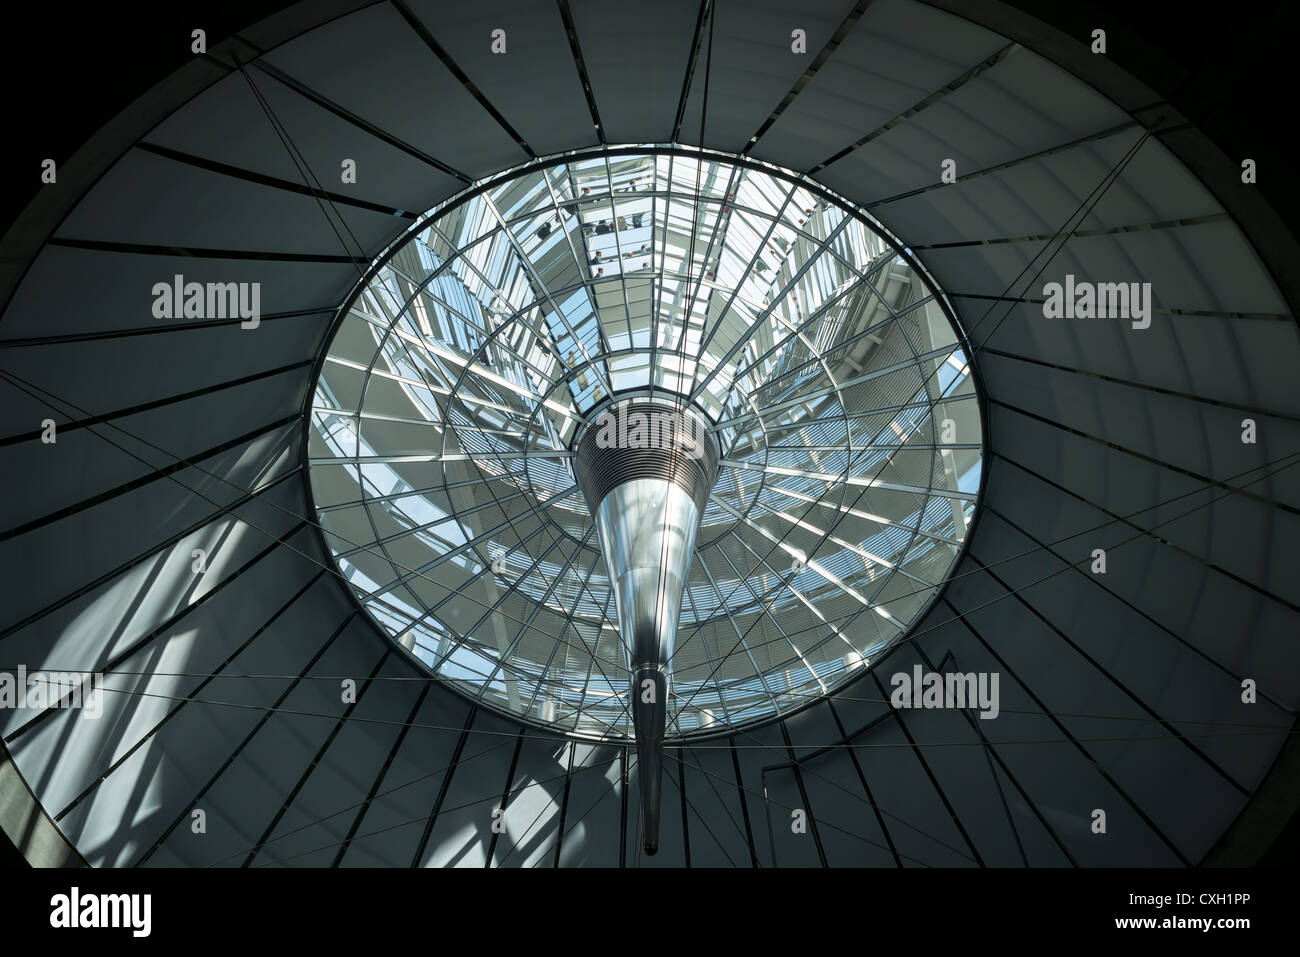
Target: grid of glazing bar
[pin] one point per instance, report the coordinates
(479, 348)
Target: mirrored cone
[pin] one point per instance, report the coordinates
(647, 505)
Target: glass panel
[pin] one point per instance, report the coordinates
(474, 358)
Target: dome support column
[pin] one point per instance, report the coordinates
(646, 472)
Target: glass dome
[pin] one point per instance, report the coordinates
(482, 344)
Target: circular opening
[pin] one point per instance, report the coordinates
(477, 351)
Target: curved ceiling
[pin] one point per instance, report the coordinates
(225, 674)
(499, 329)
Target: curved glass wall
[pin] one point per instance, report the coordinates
(480, 347)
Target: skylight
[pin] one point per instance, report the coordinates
(484, 342)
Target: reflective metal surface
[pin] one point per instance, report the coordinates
(647, 532)
(646, 499)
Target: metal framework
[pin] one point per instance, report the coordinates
(496, 472)
(481, 347)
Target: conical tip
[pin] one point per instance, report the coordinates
(648, 715)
